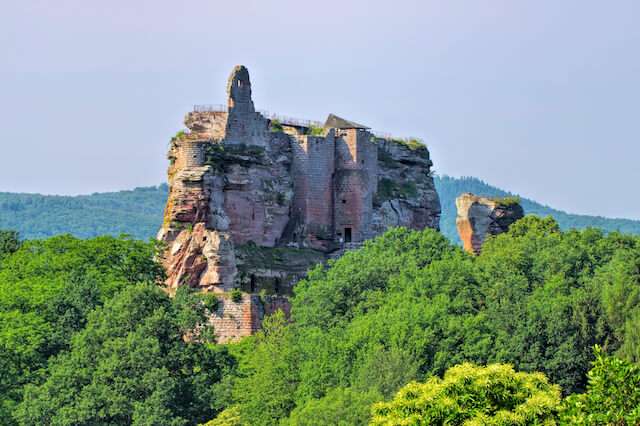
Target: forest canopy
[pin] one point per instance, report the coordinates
(87, 337)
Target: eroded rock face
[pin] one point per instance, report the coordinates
(479, 217)
(406, 195)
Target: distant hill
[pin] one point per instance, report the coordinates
(139, 212)
(449, 188)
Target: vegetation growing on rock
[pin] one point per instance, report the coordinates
(389, 189)
(506, 201)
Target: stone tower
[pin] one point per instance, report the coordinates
(239, 91)
(244, 125)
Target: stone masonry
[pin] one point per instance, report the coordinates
(253, 202)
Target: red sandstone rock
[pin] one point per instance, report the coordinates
(479, 217)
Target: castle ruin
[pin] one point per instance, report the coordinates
(255, 200)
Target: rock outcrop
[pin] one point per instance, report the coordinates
(254, 202)
(479, 217)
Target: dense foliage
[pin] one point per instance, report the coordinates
(130, 365)
(410, 305)
(450, 187)
(86, 338)
(9, 242)
(474, 396)
(139, 212)
(612, 396)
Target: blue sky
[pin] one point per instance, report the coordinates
(537, 97)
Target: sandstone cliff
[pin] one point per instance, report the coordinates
(479, 217)
(255, 202)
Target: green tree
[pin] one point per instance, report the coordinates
(409, 305)
(9, 242)
(22, 337)
(339, 407)
(267, 389)
(472, 395)
(130, 365)
(612, 396)
(47, 289)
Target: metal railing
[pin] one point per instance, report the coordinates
(291, 121)
(297, 122)
(210, 108)
(283, 119)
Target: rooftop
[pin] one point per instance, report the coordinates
(335, 122)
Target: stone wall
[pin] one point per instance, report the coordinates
(233, 320)
(354, 184)
(312, 171)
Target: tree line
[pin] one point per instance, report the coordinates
(541, 328)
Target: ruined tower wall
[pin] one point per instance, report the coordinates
(320, 151)
(354, 184)
(299, 171)
(244, 125)
(349, 207)
(313, 168)
(192, 153)
(246, 128)
(346, 149)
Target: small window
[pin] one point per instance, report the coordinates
(347, 235)
(344, 201)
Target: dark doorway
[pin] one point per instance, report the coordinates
(347, 235)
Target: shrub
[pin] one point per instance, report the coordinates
(228, 417)
(210, 301)
(474, 395)
(275, 126)
(315, 131)
(236, 295)
(506, 201)
(179, 134)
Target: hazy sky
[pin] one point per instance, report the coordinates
(540, 97)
